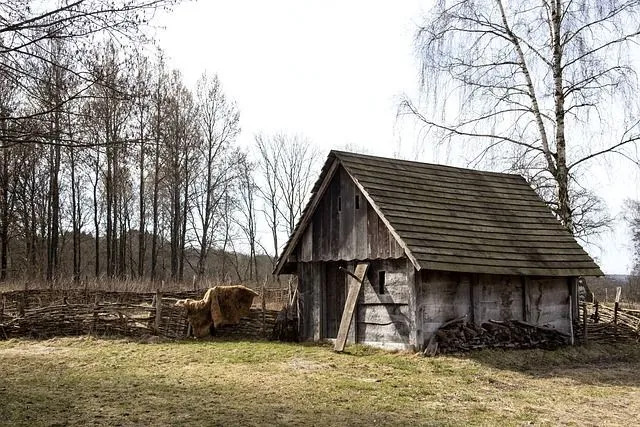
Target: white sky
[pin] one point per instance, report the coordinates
(334, 71)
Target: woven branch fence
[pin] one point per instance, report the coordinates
(602, 323)
(47, 313)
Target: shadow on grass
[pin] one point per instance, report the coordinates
(595, 364)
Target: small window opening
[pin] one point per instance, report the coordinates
(357, 201)
(381, 283)
(339, 204)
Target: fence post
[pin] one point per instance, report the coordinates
(584, 322)
(158, 311)
(264, 326)
(616, 306)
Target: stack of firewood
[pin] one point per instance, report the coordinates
(459, 335)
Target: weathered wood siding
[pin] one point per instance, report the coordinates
(547, 300)
(387, 320)
(341, 231)
(443, 296)
(311, 278)
(383, 320)
(497, 298)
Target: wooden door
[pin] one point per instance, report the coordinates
(335, 294)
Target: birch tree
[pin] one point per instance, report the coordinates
(547, 86)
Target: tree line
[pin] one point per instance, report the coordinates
(110, 166)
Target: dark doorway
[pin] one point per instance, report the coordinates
(334, 299)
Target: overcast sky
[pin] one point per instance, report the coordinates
(334, 71)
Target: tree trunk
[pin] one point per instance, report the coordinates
(185, 211)
(96, 219)
(142, 228)
(74, 218)
(564, 209)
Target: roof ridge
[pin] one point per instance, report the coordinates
(339, 153)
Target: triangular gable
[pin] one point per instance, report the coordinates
(301, 234)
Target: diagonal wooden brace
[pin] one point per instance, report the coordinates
(355, 283)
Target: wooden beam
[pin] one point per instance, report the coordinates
(355, 283)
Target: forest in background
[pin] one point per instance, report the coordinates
(112, 168)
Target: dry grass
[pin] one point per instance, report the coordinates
(83, 381)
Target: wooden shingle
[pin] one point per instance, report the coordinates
(456, 219)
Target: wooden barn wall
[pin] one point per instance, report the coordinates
(547, 302)
(310, 284)
(443, 296)
(387, 320)
(347, 233)
(497, 298)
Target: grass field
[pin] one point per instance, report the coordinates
(86, 381)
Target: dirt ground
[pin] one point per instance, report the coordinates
(86, 381)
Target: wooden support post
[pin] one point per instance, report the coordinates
(355, 283)
(616, 307)
(264, 305)
(596, 315)
(584, 322)
(158, 311)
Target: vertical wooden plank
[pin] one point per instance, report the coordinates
(347, 235)
(475, 304)
(317, 276)
(413, 305)
(525, 299)
(383, 244)
(335, 218)
(472, 311)
(372, 232)
(306, 245)
(360, 227)
(353, 328)
(355, 283)
(317, 234)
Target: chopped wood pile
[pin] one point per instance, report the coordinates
(459, 335)
(48, 313)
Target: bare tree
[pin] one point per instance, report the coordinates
(534, 81)
(141, 97)
(247, 214)
(270, 151)
(219, 125)
(30, 31)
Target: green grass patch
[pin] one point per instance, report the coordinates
(118, 382)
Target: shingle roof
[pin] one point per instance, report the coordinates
(464, 220)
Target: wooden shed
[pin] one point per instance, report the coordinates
(439, 242)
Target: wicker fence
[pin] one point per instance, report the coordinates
(48, 312)
(604, 323)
